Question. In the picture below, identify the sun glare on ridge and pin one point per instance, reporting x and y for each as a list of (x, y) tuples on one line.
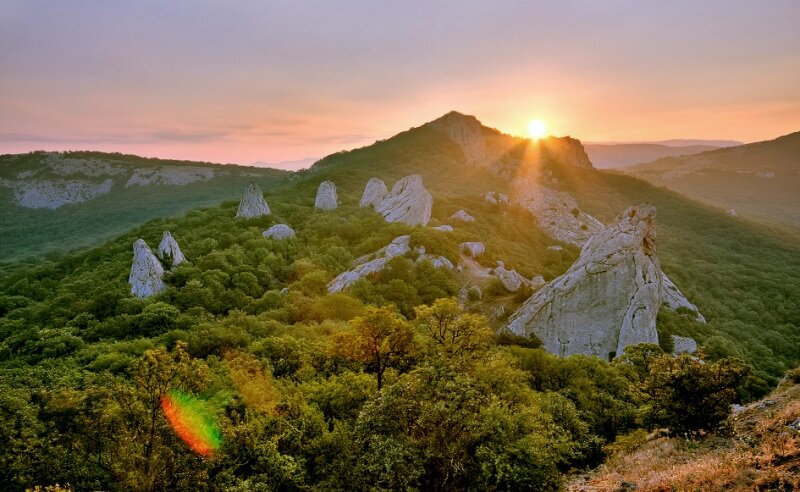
[(537, 129)]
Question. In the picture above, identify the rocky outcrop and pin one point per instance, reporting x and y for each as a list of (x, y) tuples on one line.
[(436, 261), (374, 193), (365, 266), (496, 198), (279, 232), (565, 150), (168, 250), (512, 281), (556, 212), (607, 300), (253, 203), (683, 345), (147, 274), (408, 202), (55, 193), (444, 228), (472, 248), (170, 175), (674, 299), (480, 145), (462, 216), (326, 196)]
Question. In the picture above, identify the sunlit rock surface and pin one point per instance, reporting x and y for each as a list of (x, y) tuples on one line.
[(408, 202), (374, 193), (327, 199), (462, 216), (147, 274), (472, 248), (607, 300), (253, 203)]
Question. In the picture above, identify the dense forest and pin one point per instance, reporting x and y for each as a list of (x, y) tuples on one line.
[(396, 383)]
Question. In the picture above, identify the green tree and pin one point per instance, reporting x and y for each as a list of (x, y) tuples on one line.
[(452, 333)]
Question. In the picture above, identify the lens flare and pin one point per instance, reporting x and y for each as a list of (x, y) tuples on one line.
[(192, 421)]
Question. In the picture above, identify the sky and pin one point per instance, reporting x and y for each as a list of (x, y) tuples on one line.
[(277, 81)]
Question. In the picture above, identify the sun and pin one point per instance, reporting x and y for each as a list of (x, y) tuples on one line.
[(537, 129)]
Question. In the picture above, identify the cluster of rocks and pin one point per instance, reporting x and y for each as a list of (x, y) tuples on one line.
[(371, 264), (147, 271)]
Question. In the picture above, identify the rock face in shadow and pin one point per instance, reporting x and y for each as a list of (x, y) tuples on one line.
[(408, 202), (253, 203), (607, 300), (168, 249), (327, 199), (674, 299), (147, 274), (374, 193), (279, 231)]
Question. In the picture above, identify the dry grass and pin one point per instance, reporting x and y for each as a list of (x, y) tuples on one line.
[(762, 454)]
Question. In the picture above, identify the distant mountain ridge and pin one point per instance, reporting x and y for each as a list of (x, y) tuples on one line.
[(759, 179), (610, 156)]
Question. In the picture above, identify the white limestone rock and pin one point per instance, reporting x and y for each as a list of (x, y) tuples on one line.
[(408, 202), (253, 203), (374, 193), (147, 274), (683, 345), (472, 248), (512, 281), (279, 232), (436, 261), (674, 299), (365, 266), (170, 175), (54, 193), (326, 196), (556, 212), (462, 216), (444, 228), (168, 249), (496, 198), (607, 300)]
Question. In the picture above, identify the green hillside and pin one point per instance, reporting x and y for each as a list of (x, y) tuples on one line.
[(758, 180), (304, 400), (33, 231)]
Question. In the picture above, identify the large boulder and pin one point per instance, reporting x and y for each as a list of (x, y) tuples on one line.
[(279, 231), (147, 274), (168, 249), (607, 300), (326, 196), (374, 193), (253, 203), (472, 248), (371, 264), (408, 202), (683, 345), (512, 281)]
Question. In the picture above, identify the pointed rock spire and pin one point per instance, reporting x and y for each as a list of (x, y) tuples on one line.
[(374, 193), (253, 203), (147, 274), (326, 196), (169, 249), (607, 300)]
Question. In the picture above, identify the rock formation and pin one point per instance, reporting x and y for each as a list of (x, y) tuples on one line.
[(147, 274), (512, 281), (683, 345), (472, 248), (408, 202), (444, 228), (326, 196), (556, 212), (607, 300), (169, 249), (374, 193), (279, 231), (363, 267), (674, 299), (495, 197), (436, 261), (170, 175), (462, 216), (481, 146), (566, 150), (253, 203)]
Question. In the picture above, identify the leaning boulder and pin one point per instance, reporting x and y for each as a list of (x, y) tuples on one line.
[(365, 266), (374, 193), (169, 249), (326, 196), (472, 248), (279, 231), (463, 216), (147, 274), (253, 203), (408, 202), (511, 280), (607, 300)]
